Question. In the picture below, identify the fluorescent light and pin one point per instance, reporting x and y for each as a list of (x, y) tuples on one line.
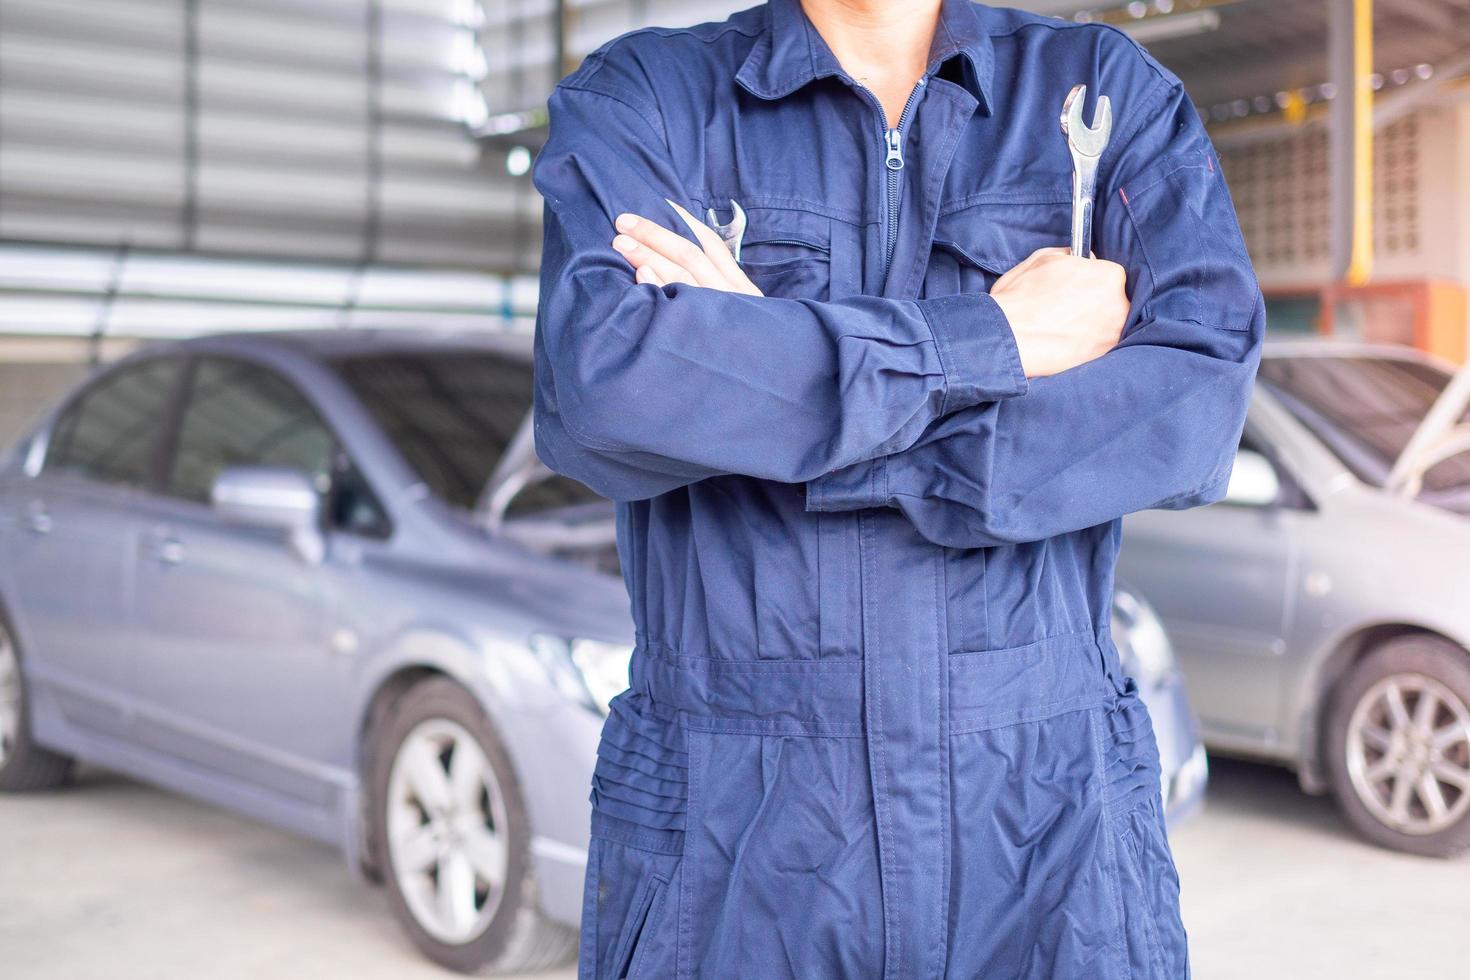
[(1187, 24)]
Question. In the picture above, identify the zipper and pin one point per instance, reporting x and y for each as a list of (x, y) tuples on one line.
[(893, 162)]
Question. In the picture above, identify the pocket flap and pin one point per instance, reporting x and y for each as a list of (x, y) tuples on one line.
[(998, 236)]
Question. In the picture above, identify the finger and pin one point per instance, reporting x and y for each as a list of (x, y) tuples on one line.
[(640, 256), (645, 273), (714, 246), (1040, 255), (672, 246)]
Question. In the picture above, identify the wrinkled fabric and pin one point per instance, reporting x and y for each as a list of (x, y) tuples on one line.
[(877, 726)]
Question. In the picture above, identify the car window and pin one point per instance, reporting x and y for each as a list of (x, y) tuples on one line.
[(110, 433), (451, 415), (242, 414)]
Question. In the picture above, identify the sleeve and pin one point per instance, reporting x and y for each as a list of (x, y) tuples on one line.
[(1153, 423), (641, 389)]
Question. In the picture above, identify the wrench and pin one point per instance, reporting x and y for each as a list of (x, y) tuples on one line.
[(1087, 146), (732, 233)]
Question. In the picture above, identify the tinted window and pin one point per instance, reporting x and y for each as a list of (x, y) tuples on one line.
[(111, 433), (241, 414), (452, 415), (1364, 409)]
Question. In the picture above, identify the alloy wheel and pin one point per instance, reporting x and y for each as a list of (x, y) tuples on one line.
[(1408, 753), (446, 831), (9, 697)]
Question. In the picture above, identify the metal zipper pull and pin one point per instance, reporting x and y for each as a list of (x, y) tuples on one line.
[(894, 159)]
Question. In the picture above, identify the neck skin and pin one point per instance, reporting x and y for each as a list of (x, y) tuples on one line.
[(883, 44)]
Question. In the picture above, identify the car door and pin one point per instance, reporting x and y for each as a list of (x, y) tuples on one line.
[(237, 670), (1220, 577), (69, 560)]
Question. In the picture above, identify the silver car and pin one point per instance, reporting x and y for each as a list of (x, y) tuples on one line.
[(1320, 612), (321, 578)]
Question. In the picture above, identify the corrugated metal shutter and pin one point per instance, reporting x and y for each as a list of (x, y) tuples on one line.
[(312, 129)]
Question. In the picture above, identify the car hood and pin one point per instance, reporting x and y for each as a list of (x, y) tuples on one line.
[(1441, 435)]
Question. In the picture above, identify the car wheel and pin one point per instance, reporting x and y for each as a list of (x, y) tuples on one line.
[(1399, 746), (24, 765), (452, 839)]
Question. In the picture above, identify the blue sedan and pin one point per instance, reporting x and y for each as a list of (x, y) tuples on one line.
[(321, 578)]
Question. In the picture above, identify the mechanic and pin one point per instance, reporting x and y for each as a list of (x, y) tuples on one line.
[(808, 317)]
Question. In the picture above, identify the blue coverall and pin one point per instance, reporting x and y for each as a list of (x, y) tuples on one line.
[(877, 726)]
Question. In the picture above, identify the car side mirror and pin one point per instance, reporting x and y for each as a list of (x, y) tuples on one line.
[(1253, 481), (272, 497)]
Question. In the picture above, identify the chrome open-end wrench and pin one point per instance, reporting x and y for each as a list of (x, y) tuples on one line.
[(1087, 145), (733, 233)]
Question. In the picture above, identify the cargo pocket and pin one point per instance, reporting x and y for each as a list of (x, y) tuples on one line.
[(787, 252), (781, 862), (1147, 881), (976, 245), (1189, 243), (639, 788)]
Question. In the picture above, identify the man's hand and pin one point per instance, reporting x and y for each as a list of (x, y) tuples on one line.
[(1063, 310), (661, 257)]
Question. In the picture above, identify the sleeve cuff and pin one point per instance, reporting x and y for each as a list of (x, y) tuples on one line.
[(977, 349), (978, 354)]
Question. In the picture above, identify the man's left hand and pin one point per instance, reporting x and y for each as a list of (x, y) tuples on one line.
[(661, 257)]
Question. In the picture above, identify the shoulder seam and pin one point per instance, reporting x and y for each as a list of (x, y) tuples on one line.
[(644, 109), (726, 28), (1056, 24)]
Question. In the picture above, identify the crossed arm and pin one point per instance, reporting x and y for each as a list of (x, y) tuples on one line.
[(985, 418)]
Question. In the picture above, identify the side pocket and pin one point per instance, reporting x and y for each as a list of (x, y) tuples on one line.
[(623, 919), (1190, 241), (635, 855), (1152, 931), (645, 908)]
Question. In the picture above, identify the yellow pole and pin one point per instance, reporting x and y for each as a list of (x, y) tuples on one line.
[(1360, 266)]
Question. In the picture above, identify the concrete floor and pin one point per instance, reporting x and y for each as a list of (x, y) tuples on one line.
[(114, 879)]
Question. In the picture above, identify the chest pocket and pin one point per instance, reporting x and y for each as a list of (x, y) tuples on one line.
[(788, 252), (975, 245)]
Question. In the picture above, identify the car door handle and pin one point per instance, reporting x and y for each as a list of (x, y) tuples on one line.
[(165, 551), (38, 520)]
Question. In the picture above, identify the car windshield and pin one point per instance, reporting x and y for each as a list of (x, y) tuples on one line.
[(1365, 409), (451, 414)]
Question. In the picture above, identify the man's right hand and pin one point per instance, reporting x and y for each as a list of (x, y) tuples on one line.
[(1063, 310)]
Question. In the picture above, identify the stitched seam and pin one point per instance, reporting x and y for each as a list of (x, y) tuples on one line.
[(935, 186), (1020, 650), (686, 895), (641, 108), (942, 763), (1053, 24), (723, 724), (714, 665), (1134, 848), (982, 198), (940, 352), (1110, 843), (1134, 193), (1028, 715), (638, 842), (892, 945), (651, 919)]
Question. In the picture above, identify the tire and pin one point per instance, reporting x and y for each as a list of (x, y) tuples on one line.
[(24, 765), (425, 833), (1378, 757)]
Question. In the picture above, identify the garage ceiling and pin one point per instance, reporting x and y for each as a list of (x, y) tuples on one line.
[(1256, 48)]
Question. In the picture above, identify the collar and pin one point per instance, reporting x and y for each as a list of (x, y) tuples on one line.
[(790, 52)]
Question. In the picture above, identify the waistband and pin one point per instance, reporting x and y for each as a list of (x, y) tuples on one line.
[(986, 689)]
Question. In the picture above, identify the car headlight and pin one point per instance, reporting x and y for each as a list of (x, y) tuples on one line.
[(589, 672), (1147, 654)]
